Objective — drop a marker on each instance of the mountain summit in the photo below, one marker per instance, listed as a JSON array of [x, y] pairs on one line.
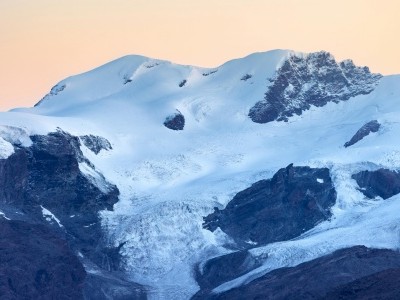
[[147, 179]]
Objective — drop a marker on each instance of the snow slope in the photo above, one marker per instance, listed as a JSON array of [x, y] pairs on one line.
[[170, 179]]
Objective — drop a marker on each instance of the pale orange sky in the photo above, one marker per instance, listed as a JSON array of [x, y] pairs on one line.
[[44, 41]]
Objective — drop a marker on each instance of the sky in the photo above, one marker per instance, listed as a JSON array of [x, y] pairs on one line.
[[45, 41]]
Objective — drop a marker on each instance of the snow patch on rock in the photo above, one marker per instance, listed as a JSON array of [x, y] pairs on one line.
[[50, 217], [6, 149], [94, 177]]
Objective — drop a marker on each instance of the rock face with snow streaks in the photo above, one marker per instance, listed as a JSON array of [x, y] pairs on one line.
[[47, 176], [313, 79], [293, 201], [96, 143], [335, 273], [383, 183], [45, 184]]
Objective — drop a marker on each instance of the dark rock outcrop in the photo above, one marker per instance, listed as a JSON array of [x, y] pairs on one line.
[[224, 268], [47, 176], [210, 72], [383, 183], [127, 79], [175, 121], [46, 184], [278, 209], [316, 278], [35, 263], [182, 83], [313, 79], [152, 65], [246, 77], [381, 285], [96, 143], [365, 130]]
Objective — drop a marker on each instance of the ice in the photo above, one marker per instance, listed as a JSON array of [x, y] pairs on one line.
[[95, 177]]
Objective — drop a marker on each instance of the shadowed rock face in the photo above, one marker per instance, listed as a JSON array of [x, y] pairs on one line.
[[364, 131], [313, 79], [278, 209], [224, 268], [175, 121], [47, 175], [36, 264], [383, 183], [381, 285], [44, 184], [316, 278]]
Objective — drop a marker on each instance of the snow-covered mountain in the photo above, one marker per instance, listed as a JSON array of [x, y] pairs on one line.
[[171, 181]]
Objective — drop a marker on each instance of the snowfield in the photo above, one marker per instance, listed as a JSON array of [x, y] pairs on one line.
[[169, 180]]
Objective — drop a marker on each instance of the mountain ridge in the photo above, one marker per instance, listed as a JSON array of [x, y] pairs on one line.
[[165, 181]]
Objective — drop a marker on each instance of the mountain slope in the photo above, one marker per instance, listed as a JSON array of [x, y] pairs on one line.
[[331, 274], [169, 180]]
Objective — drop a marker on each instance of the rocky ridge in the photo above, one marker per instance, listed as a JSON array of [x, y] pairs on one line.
[[51, 186], [337, 274], [309, 80]]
